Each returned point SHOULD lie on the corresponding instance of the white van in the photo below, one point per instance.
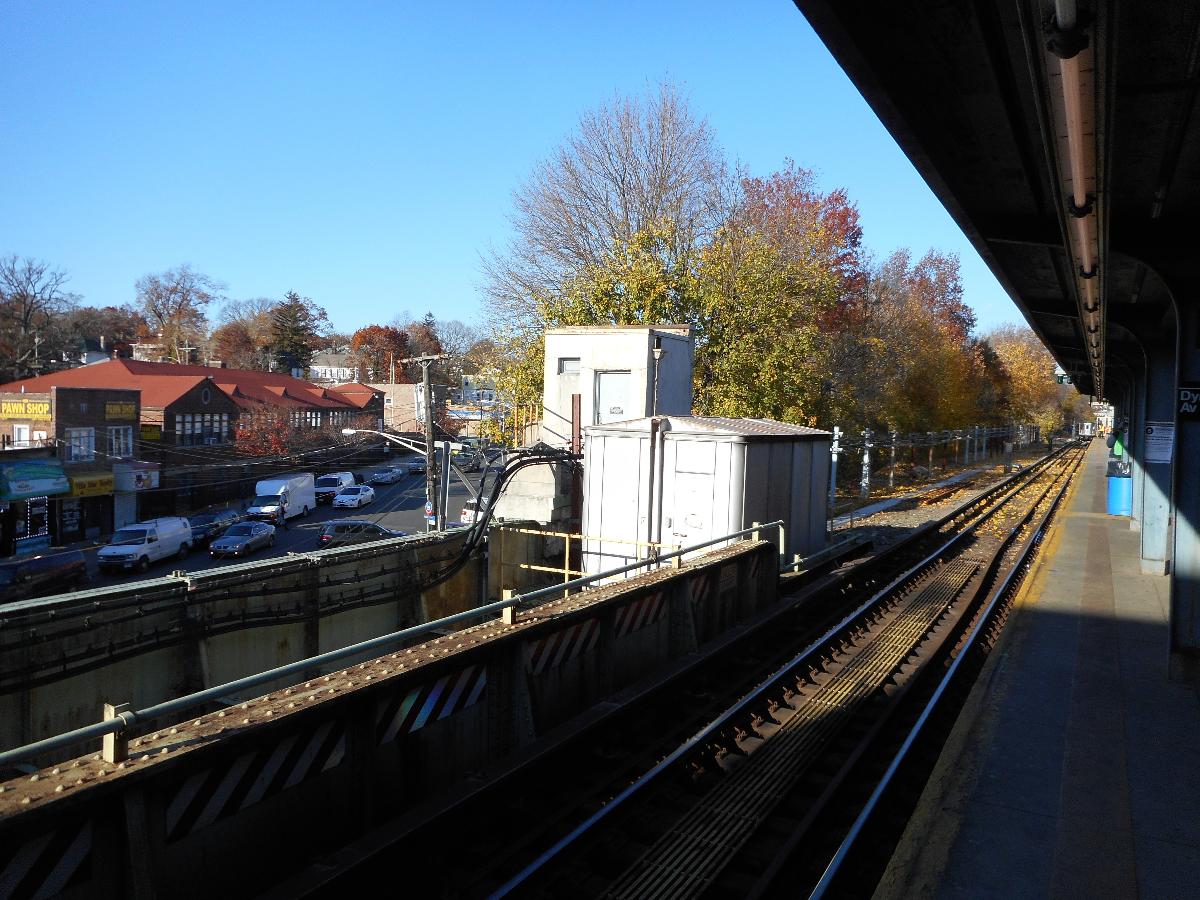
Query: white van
(331, 483)
(136, 546)
(291, 495)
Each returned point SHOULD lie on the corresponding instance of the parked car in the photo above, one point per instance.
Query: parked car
(359, 495)
(354, 531)
(243, 539)
(206, 526)
(46, 573)
(389, 475)
(136, 546)
(416, 466)
(471, 510)
(468, 461)
(330, 483)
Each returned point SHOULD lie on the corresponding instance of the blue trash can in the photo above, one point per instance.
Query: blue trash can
(1120, 495)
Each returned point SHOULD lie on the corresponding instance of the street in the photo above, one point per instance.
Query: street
(399, 506)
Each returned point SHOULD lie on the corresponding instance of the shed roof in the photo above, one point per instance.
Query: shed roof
(719, 426)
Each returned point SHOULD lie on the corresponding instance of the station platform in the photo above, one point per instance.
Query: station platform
(1075, 768)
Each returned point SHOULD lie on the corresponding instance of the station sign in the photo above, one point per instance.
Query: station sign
(1188, 408)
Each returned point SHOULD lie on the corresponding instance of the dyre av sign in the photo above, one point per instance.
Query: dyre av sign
(1188, 409)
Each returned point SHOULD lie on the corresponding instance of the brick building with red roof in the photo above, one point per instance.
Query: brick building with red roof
(185, 405)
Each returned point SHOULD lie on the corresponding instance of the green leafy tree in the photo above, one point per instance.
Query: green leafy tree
(298, 327)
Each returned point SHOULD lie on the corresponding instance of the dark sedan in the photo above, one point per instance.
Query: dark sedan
(353, 531)
(206, 526)
(243, 539)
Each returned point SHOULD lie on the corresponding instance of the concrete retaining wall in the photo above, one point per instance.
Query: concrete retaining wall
(62, 658)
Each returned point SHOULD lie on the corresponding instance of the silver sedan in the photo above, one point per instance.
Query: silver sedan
(243, 539)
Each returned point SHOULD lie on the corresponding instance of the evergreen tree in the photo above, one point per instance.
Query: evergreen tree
(297, 331)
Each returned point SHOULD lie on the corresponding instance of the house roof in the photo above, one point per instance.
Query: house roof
(354, 392)
(332, 360)
(163, 383)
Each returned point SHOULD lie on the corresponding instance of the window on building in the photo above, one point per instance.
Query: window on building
(568, 365)
(20, 436)
(120, 440)
(224, 428)
(80, 444)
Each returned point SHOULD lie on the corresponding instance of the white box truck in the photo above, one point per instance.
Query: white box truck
(285, 497)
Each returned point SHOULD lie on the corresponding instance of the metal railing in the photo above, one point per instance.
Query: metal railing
(567, 537)
(127, 719)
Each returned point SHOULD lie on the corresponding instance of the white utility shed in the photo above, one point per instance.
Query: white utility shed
(709, 477)
(619, 372)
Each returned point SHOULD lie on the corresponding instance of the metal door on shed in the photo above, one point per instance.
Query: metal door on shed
(612, 397)
(690, 488)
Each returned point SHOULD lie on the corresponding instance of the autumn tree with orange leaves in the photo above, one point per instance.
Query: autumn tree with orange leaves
(791, 318)
(375, 348)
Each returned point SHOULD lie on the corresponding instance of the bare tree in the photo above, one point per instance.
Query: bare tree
(32, 300)
(457, 339)
(634, 162)
(174, 304)
(243, 338)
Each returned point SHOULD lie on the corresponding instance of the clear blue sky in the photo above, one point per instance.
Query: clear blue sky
(365, 154)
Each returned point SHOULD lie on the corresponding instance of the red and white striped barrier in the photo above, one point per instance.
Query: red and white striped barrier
(212, 794)
(441, 699)
(640, 613)
(561, 646)
(48, 864)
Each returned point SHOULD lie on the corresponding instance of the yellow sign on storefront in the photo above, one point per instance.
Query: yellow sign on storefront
(151, 432)
(24, 408)
(120, 411)
(92, 484)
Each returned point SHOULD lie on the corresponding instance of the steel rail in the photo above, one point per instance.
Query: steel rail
(849, 843)
(188, 702)
(768, 684)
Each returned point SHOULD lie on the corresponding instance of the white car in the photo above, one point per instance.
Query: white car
(359, 495)
(390, 475)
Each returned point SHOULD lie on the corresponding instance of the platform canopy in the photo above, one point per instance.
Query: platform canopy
(1062, 138)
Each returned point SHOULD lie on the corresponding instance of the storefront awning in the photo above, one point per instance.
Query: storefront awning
(25, 478)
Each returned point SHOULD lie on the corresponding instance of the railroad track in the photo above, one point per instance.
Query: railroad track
(604, 814)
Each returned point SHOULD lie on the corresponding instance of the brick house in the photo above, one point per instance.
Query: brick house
(187, 406)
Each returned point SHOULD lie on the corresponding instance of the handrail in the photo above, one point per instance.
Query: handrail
(127, 719)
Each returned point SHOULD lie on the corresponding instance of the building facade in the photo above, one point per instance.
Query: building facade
(73, 473)
(332, 368)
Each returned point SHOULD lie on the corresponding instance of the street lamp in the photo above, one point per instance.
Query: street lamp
(447, 448)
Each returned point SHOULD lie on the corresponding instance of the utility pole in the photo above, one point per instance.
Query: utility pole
(431, 498)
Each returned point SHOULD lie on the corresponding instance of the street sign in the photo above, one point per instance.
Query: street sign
(428, 507)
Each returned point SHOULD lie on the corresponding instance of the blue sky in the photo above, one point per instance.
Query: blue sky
(365, 154)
